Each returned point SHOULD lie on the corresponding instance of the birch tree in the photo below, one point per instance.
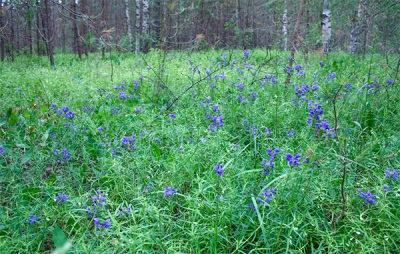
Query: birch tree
(326, 26)
(138, 26)
(358, 26)
(2, 43)
(284, 26)
(128, 24)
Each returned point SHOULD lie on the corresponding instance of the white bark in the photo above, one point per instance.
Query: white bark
(359, 24)
(146, 16)
(138, 27)
(284, 26)
(326, 26)
(128, 24)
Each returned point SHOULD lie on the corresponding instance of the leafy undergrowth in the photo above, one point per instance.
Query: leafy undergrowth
(199, 153)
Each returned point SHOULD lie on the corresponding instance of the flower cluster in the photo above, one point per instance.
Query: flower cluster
(219, 169)
(218, 121)
(392, 174)
(129, 142)
(65, 155)
(64, 110)
(169, 191)
(61, 198)
(368, 196)
(125, 210)
(99, 225)
(293, 160)
(32, 219)
(267, 165)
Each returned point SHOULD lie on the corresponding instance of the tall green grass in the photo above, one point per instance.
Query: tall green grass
(316, 206)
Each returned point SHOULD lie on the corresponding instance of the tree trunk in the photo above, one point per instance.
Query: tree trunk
(326, 26)
(128, 25)
(138, 26)
(284, 26)
(49, 32)
(30, 17)
(2, 42)
(84, 34)
(296, 41)
(11, 44)
(145, 25)
(76, 47)
(359, 24)
(103, 27)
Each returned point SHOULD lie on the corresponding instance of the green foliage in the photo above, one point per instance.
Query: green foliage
(95, 183)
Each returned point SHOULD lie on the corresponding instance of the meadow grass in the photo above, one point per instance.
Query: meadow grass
(199, 152)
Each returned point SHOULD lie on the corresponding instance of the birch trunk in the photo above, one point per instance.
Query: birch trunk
(138, 27)
(128, 24)
(358, 27)
(326, 26)
(2, 43)
(284, 26)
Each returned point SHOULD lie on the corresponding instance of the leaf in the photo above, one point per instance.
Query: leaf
(59, 237)
(358, 124)
(156, 151)
(13, 119)
(27, 155)
(3, 121)
(45, 136)
(29, 193)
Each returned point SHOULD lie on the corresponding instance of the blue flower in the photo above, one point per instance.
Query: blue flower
(169, 191)
(61, 198)
(268, 132)
(33, 219)
(100, 129)
(390, 81)
(122, 95)
(1, 149)
(219, 169)
(246, 54)
(386, 188)
(107, 223)
(172, 115)
(65, 109)
(293, 160)
(368, 196)
(70, 115)
(298, 67)
(99, 199)
(253, 95)
(212, 128)
(138, 109)
(97, 223)
(65, 154)
(392, 174)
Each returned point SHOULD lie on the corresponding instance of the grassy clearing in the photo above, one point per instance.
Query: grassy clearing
(203, 152)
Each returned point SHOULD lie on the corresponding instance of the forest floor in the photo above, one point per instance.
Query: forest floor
(200, 152)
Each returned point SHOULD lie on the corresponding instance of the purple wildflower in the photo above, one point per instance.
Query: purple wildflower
(32, 219)
(392, 174)
(169, 191)
(61, 198)
(293, 160)
(219, 170)
(368, 196)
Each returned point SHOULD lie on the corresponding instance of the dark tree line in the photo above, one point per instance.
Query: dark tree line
(83, 26)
